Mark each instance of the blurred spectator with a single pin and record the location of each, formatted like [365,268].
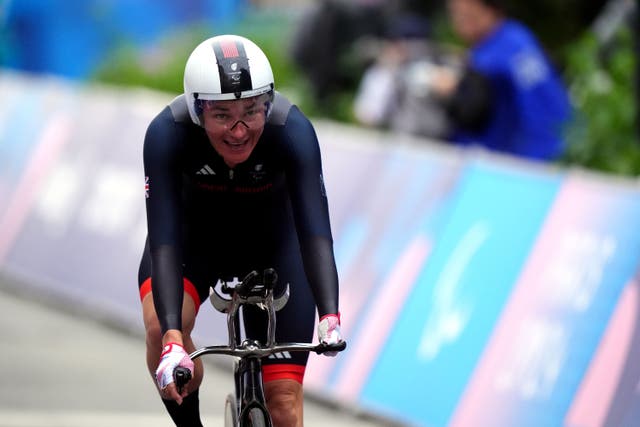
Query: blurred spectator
[395,92]
[509,98]
[323,45]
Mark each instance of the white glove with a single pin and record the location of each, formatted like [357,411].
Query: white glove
[173,355]
[329,331]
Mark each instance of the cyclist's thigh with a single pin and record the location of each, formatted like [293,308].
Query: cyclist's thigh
[150,318]
[198,274]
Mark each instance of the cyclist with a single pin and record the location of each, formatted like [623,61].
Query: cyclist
[234,184]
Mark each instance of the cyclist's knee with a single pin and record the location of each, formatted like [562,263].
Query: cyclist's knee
[153,334]
[284,400]
[151,323]
[189,313]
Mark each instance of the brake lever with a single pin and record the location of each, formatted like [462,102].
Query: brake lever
[269,278]
[245,287]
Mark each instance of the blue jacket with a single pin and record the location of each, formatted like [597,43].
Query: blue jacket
[530,104]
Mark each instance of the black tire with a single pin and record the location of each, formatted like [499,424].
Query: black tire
[256,418]
[230,412]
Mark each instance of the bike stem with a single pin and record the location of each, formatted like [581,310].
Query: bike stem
[232,318]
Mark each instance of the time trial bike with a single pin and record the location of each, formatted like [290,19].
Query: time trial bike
[247,406]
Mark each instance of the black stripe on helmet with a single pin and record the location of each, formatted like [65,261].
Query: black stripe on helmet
[233,67]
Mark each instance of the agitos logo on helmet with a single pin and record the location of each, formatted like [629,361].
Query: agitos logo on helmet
[225,67]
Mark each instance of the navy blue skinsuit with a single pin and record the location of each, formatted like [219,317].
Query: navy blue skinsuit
[208,222]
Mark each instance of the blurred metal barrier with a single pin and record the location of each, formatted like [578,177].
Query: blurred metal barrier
[477,290]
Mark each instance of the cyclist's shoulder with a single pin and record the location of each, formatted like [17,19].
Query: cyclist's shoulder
[179,110]
[280,109]
[284,113]
[175,114]
[288,125]
[172,126]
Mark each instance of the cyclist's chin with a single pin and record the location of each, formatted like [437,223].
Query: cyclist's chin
[236,153]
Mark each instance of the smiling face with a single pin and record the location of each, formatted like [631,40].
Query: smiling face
[234,127]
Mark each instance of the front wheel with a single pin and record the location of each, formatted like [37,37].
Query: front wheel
[230,412]
[257,418]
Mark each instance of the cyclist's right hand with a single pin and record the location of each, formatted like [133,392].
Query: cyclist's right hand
[173,355]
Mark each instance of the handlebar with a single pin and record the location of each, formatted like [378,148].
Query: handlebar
[181,376]
[254,349]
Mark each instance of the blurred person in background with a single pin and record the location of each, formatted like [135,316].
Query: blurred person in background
[234,184]
[324,44]
[332,42]
[394,92]
[509,97]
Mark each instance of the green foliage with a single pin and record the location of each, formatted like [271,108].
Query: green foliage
[603,135]
[162,67]
[555,23]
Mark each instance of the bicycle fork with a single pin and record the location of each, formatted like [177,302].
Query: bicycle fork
[249,389]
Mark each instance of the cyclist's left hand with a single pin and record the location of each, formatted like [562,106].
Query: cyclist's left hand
[329,331]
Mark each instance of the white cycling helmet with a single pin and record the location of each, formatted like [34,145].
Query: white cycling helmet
[225,67]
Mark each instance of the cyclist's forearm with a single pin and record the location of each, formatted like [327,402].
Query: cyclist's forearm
[320,267]
[166,285]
